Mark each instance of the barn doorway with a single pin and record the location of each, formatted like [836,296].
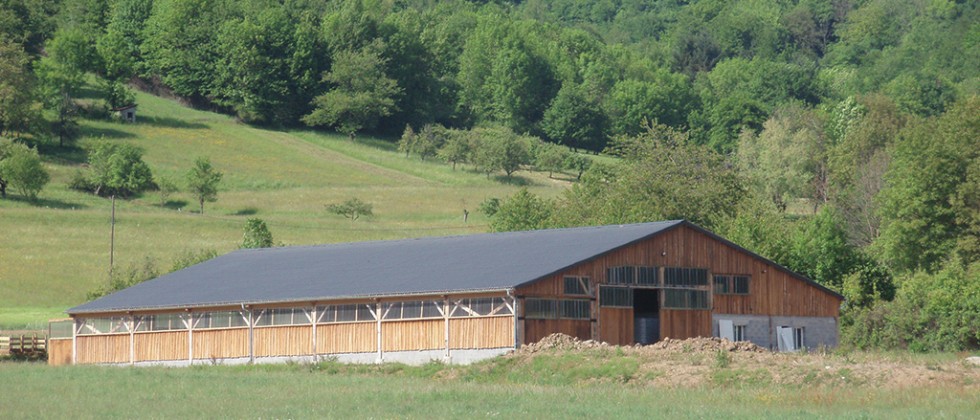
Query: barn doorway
[646,316]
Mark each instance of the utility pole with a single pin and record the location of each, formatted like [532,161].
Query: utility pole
[112,239]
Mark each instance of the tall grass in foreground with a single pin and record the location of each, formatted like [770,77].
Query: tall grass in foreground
[331,390]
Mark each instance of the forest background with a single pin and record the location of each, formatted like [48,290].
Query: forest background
[840,138]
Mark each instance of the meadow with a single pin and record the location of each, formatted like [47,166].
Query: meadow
[590,384]
[52,253]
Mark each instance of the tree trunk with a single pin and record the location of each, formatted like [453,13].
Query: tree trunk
[3,188]
[202,206]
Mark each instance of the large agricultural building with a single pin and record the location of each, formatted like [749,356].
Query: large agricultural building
[456,299]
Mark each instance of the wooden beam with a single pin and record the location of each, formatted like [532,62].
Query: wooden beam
[377,316]
[132,339]
[74,340]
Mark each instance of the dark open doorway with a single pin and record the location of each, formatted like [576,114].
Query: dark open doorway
[646,316]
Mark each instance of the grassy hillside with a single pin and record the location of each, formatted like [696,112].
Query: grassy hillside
[54,252]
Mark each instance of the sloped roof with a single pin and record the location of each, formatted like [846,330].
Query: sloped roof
[482,262]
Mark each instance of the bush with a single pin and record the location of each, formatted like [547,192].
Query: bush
[118,169]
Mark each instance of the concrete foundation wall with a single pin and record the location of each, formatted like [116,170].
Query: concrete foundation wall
[415,358]
[761,330]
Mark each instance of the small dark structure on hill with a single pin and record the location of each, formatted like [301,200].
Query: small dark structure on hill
[126,113]
[456,299]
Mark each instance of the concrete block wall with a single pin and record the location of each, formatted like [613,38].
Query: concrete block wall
[761,329]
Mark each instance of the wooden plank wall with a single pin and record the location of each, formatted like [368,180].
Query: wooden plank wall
[293,340]
[616,326]
[536,329]
[481,333]
[158,346]
[685,323]
[773,291]
[221,343]
[59,351]
[346,338]
[102,349]
[426,334]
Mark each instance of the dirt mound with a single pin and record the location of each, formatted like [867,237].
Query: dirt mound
[564,342]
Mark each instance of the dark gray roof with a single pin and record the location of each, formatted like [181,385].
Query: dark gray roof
[494,261]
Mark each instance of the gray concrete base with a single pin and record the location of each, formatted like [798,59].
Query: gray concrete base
[761,329]
[414,358]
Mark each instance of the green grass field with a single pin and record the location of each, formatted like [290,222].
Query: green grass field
[330,390]
[52,253]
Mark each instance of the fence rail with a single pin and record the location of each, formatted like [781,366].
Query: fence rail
[32,346]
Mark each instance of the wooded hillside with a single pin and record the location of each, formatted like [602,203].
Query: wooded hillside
[838,137]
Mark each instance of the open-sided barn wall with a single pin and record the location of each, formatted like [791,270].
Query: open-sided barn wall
[440,325]
[771,290]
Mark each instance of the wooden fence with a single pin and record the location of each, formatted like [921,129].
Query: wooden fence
[30,346]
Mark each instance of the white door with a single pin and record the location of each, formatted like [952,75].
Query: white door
[726,329]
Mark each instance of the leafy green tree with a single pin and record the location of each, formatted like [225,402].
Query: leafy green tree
[456,148]
[361,95]
[60,75]
[120,46]
[550,157]
[430,139]
[499,149]
[117,169]
[574,121]
[578,164]
[931,161]
[16,102]
[167,188]
[820,249]
[203,180]
[352,209]
[406,143]
[21,169]
[521,211]
[667,100]
[257,234]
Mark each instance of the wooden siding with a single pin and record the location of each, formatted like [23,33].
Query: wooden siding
[158,346]
[59,351]
[772,291]
[536,329]
[616,326]
[283,341]
[481,333]
[219,344]
[102,349]
[427,334]
[346,338]
[685,323]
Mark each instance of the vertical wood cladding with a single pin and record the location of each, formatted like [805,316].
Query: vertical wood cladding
[160,346]
[481,333]
[218,344]
[283,341]
[59,351]
[102,349]
[536,329]
[772,291]
[426,334]
[355,337]
[616,326]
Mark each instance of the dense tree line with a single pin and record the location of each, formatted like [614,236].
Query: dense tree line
[838,137]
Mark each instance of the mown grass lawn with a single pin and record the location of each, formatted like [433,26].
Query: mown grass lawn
[54,252]
[395,391]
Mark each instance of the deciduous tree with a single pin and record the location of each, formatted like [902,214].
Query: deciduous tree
[203,180]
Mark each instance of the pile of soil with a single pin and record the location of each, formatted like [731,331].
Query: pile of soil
[705,360]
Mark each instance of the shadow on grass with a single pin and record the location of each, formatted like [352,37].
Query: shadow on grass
[170,122]
[46,202]
[68,155]
[175,204]
[107,133]
[247,211]
[519,181]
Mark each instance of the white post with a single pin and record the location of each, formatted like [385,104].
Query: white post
[313,319]
[74,341]
[132,339]
[190,338]
[251,337]
[445,314]
[378,328]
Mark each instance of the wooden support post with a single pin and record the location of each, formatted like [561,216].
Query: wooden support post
[190,338]
[251,337]
[445,314]
[517,321]
[74,340]
[132,339]
[378,328]
[313,319]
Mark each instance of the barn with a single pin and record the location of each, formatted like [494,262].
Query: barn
[456,299]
